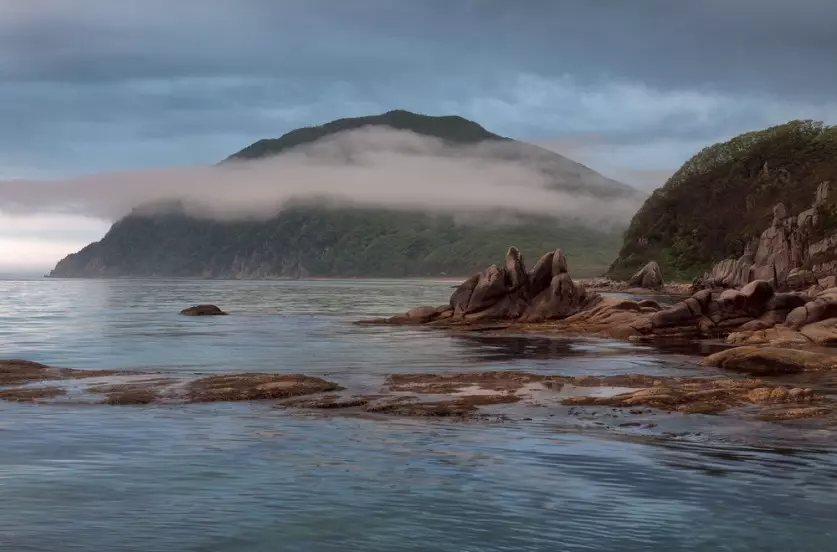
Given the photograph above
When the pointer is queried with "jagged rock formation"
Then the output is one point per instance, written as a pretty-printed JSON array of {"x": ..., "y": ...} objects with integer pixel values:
[
  {"x": 547, "y": 295},
  {"x": 510, "y": 292},
  {"x": 793, "y": 253},
  {"x": 649, "y": 277}
]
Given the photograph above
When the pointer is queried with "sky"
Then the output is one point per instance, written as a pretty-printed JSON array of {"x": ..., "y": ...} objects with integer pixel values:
[{"x": 631, "y": 88}]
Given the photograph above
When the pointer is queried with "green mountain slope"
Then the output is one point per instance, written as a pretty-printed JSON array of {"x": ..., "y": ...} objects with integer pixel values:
[
  {"x": 308, "y": 241},
  {"x": 723, "y": 198}
]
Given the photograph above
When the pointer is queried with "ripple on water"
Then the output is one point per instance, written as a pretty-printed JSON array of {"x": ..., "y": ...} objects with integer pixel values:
[{"x": 231, "y": 477}]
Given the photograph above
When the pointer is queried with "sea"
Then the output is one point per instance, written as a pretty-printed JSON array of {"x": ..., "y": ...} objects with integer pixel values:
[{"x": 253, "y": 477}]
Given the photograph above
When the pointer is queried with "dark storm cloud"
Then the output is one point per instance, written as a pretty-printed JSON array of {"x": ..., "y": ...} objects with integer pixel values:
[
  {"x": 772, "y": 45},
  {"x": 97, "y": 84}
]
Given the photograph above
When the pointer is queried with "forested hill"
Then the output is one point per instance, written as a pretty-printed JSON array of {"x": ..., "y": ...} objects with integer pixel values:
[
  {"x": 308, "y": 240},
  {"x": 723, "y": 198}
]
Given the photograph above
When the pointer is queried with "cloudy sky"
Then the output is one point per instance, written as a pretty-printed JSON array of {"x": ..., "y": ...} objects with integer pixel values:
[{"x": 629, "y": 87}]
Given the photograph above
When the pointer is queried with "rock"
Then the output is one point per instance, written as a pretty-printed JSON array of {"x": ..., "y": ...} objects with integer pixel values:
[
  {"x": 516, "y": 277},
  {"x": 823, "y": 333},
  {"x": 786, "y": 253},
  {"x": 31, "y": 394},
  {"x": 541, "y": 275},
  {"x": 19, "y": 372},
  {"x": 203, "y": 310},
  {"x": 776, "y": 336},
  {"x": 811, "y": 312},
  {"x": 729, "y": 273},
  {"x": 799, "y": 279},
  {"x": 649, "y": 277},
  {"x": 489, "y": 289},
  {"x": 770, "y": 361},
  {"x": 248, "y": 387},
  {"x": 559, "y": 263},
  {"x": 757, "y": 293},
  {"x": 462, "y": 296},
  {"x": 560, "y": 300},
  {"x": 827, "y": 282},
  {"x": 422, "y": 315}
]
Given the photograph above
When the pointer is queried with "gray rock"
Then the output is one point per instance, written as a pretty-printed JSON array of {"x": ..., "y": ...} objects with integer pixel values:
[{"x": 649, "y": 277}]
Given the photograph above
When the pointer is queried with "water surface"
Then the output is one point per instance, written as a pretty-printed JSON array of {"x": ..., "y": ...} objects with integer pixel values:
[{"x": 249, "y": 477}]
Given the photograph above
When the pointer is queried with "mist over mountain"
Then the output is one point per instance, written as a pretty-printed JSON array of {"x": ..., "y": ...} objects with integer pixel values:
[{"x": 396, "y": 194}]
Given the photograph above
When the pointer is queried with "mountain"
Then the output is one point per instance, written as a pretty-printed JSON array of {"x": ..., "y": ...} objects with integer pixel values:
[
  {"x": 720, "y": 202},
  {"x": 305, "y": 239}
]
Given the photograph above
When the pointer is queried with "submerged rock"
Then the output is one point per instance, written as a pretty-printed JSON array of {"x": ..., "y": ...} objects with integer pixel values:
[
  {"x": 203, "y": 310},
  {"x": 249, "y": 387},
  {"x": 31, "y": 394},
  {"x": 18, "y": 372}
]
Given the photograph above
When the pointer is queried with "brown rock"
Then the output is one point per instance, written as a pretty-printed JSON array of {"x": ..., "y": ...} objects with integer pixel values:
[
  {"x": 30, "y": 394},
  {"x": 17, "y": 372},
  {"x": 462, "y": 296},
  {"x": 559, "y": 263},
  {"x": 203, "y": 310},
  {"x": 770, "y": 361},
  {"x": 649, "y": 277},
  {"x": 541, "y": 275},
  {"x": 490, "y": 288},
  {"x": 249, "y": 387},
  {"x": 516, "y": 277}
]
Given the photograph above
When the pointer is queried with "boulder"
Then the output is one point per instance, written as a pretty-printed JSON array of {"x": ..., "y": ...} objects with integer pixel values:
[
  {"x": 203, "y": 310},
  {"x": 811, "y": 312},
  {"x": 649, "y": 277},
  {"x": 560, "y": 300}
]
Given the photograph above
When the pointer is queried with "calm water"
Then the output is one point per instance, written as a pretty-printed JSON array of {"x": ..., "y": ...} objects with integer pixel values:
[{"x": 230, "y": 477}]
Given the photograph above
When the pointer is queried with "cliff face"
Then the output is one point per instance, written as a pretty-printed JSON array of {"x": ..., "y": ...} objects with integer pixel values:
[
  {"x": 722, "y": 200},
  {"x": 306, "y": 240},
  {"x": 795, "y": 251}
]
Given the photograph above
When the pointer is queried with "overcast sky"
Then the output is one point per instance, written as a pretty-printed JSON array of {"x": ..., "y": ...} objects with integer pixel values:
[{"x": 629, "y": 87}]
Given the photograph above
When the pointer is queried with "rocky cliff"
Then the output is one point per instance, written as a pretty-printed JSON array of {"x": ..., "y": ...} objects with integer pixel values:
[
  {"x": 794, "y": 252},
  {"x": 719, "y": 203}
]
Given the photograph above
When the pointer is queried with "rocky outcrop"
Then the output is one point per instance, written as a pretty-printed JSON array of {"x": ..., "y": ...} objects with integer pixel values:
[
  {"x": 648, "y": 277},
  {"x": 793, "y": 252},
  {"x": 510, "y": 292},
  {"x": 546, "y": 298},
  {"x": 203, "y": 310}
]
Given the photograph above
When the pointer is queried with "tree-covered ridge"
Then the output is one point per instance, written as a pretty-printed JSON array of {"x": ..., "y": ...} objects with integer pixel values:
[
  {"x": 450, "y": 128},
  {"x": 723, "y": 197},
  {"x": 308, "y": 241}
]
